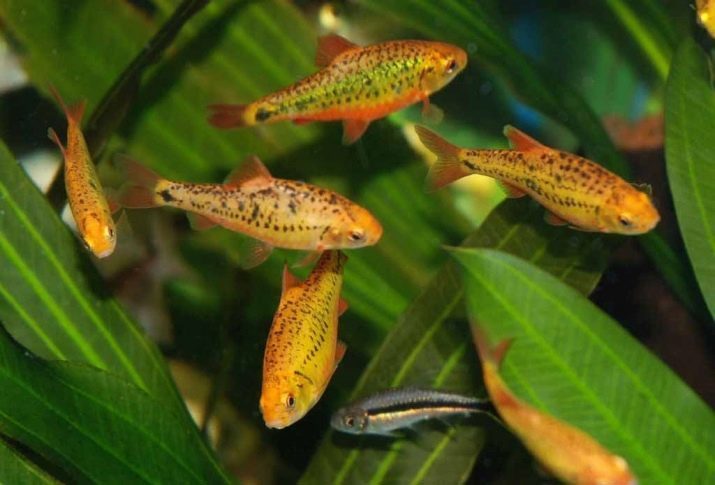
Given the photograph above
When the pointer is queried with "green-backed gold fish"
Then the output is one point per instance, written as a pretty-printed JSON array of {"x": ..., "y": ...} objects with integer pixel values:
[
  {"x": 574, "y": 190},
  {"x": 387, "y": 411},
  {"x": 356, "y": 85},
  {"x": 303, "y": 350},
  {"x": 274, "y": 212},
  {"x": 85, "y": 195}
]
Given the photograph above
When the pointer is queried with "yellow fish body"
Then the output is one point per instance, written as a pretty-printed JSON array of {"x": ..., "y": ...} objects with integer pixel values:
[
  {"x": 565, "y": 451},
  {"x": 356, "y": 85},
  {"x": 574, "y": 190},
  {"x": 302, "y": 350},
  {"x": 275, "y": 212},
  {"x": 86, "y": 198},
  {"x": 706, "y": 15}
]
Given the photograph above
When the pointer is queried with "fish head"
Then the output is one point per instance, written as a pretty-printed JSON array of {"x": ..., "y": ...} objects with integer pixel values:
[
  {"x": 350, "y": 420},
  {"x": 629, "y": 211},
  {"x": 283, "y": 401},
  {"x": 445, "y": 62},
  {"x": 359, "y": 229},
  {"x": 98, "y": 237}
]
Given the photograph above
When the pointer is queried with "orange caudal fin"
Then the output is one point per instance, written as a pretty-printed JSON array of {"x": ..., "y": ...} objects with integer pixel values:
[
  {"x": 329, "y": 47},
  {"x": 73, "y": 113},
  {"x": 447, "y": 168},
  {"x": 52, "y": 135},
  {"x": 227, "y": 116},
  {"x": 138, "y": 191},
  {"x": 353, "y": 130},
  {"x": 486, "y": 353},
  {"x": 521, "y": 141}
]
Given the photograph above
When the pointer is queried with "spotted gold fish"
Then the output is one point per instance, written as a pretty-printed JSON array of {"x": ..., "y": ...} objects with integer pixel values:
[
  {"x": 275, "y": 212},
  {"x": 303, "y": 350},
  {"x": 87, "y": 201},
  {"x": 356, "y": 85},
  {"x": 705, "y": 13},
  {"x": 573, "y": 189},
  {"x": 568, "y": 453}
]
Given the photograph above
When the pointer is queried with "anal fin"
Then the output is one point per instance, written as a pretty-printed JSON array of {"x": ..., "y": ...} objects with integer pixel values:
[
  {"x": 353, "y": 130},
  {"x": 199, "y": 222},
  {"x": 511, "y": 191},
  {"x": 554, "y": 220}
]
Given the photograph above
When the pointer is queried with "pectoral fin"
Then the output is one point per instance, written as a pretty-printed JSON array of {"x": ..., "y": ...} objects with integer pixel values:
[
  {"x": 340, "y": 349},
  {"x": 199, "y": 222},
  {"x": 253, "y": 253}
]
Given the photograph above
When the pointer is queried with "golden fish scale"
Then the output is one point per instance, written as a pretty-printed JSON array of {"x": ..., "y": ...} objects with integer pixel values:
[
  {"x": 286, "y": 214},
  {"x": 81, "y": 182},
  {"x": 303, "y": 337},
  {"x": 362, "y": 79},
  {"x": 560, "y": 181}
]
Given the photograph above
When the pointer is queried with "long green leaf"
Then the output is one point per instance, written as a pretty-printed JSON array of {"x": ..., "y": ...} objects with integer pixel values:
[
  {"x": 52, "y": 301},
  {"x": 690, "y": 151},
  {"x": 427, "y": 348},
  {"x": 15, "y": 468},
  {"x": 96, "y": 426},
  {"x": 571, "y": 360}
]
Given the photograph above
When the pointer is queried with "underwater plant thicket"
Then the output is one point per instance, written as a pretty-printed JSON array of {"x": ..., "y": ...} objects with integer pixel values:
[{"x": 97, "y": 358}]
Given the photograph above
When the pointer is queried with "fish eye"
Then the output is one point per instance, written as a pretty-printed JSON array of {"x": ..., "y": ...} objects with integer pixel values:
[
  {"x": 349, "y": 421},
  {"x": 625, "y": 221},
  {"x": 451, "y": 66},
  {"x": 356, "y": 235},
  {"x": 110, "y": 232},
  {"x": 290, "y": 401}
]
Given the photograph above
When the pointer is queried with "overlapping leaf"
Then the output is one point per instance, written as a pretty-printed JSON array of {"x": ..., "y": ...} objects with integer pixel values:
[
  {"x": 690, "y": 115},
  {"x": 94, "y": 425},
  {"x": 571, "y": 360},
  {"x": 51, "y": 300},
  {"x": 18, "y": 469},
  {"x": 427, "y": 348}
]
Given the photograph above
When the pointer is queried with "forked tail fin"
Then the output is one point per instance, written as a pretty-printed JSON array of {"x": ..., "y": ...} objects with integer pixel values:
[
  {"x": 488, "y": 354},
  {"x": 75, "y": 112},
  {"x": 227, "y": 116},
  {"x": 448, "y": 167},
  {"x": 139, "y": 190}
]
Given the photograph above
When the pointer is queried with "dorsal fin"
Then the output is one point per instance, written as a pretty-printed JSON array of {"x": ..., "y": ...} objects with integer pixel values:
[
  {"x": 329, "y": 47},
  {"x": 289, "y": 280},
  {"x": 251, "y": 171},
  {"x": 521, "y": 141}
]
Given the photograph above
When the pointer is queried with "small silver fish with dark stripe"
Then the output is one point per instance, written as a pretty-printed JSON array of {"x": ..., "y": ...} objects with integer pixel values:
[{"x": 393, "y": 409}]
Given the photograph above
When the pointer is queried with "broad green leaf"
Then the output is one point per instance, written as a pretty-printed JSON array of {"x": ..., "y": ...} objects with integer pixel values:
[
  {"x": 428, "y": 348},
  {"x": 52, "y": 300},
  {"x": 15, "y": 468},
  {"x": 571, "y": 360},
  {"x": 690, "y": 152},
  {"x": 96, "y": 426}
]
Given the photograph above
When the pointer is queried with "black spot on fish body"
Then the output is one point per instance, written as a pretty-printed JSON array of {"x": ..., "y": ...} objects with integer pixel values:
[
  {"x": 469, "y": 165},
  {"x": 166, "y": 196}
]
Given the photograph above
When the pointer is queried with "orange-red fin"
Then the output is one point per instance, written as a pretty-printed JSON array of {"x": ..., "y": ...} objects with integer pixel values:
[
  {"x": 431, "y": 113},
  {"x": 254, "y": 252},
  {"x": 353, "y": 130},
  {"x": 511, "y": 191},
  {"x": 112, "y": 200},
  {"x": 227, "y": 116},
  {"x": 251, "y": 172},
  {"x": 342, "y": 306},
  {"x": 340, "y": 350},
  {"x": 138, "y": 192},
  {"x": 521, "y": 141},
  {"x": 52, "y": 135},
  {"x": 199, "y": 222},
  {"x": 486, "y": 353},
  {"x": 301, "y": 121},
  {"x": 310, "y": 258},
  {"x": 329, "y": 47},
  {"x": 448, "y": 167},
  {"x": 73, "y": 113},
  {"x": 553, "y": 219},
  {"x": 289, "y": 280}
]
